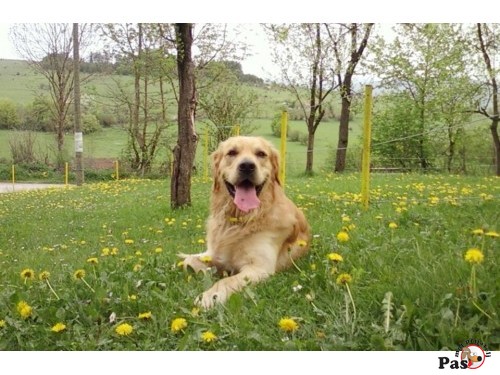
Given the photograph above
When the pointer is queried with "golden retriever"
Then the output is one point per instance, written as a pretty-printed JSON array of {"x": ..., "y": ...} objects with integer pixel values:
[{"x": 253, "y": 229}]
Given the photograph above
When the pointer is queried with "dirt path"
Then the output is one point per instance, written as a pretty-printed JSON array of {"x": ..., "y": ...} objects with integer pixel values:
[{"x": 6, "y": 187}]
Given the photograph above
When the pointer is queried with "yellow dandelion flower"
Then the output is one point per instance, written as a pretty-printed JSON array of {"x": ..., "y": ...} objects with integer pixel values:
[
  {"x": 27, "y": 274},
  {"x": 201, "y": 241},
  {"x": 393, "y": 225},
  {"x": 114, "y": 251},
  {"x": 124, "y": 329},
  {"x": 105, "y": 251},
  {"x": 158, "y": 250},
  {"x": 288, "y": 324},
  {"x": 208, "y": 336},
  {"x": 178, "y": 324},
  {"x": 92, "y": 260},
  {"x": 44, "y": 275},
  {"x": 132, "y": 297},
  {"x": 335, "y": 257},
  {"x": 302, "y": 243},
  {"x": 138, "y": 253},
  {"x": 58, "y": 327},
  {"x": 145, "y": 315},
  {"x": 492, "y": 234},
  {"x": 206, "y": 258},
  {"x": 345, "y": 219},
  {"x": 2, "y": 323},
  {"x": 478, "y": 232},
  {"x": 342, "y": 236},
  {"x": 137, "y": 268},
  {"x": 129, "y": 241},
  {"x": 344, "y": 278},
  {"x": 79, "y": 274},
  {"x": 195, "y": 311},
  {"x": 474, "y": 256},
  {"x": 24, "y": 309}
]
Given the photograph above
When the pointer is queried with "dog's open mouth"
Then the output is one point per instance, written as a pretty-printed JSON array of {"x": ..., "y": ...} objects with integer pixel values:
[{"x": 245, "y": 194}]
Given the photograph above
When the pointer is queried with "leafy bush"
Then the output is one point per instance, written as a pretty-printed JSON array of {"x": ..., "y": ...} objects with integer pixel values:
[
  {"x": 8, "y": 115},
  {"x": 90, "y": 124}
]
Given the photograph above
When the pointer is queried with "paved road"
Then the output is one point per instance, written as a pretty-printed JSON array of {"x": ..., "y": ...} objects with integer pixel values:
[{"x": 6, "y": 187}]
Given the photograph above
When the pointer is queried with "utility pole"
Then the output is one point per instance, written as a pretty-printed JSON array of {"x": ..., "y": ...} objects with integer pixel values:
[{"x": 78, "y": 114}]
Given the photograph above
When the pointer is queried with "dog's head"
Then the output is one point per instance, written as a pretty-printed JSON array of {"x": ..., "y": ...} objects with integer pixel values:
[
  {"x": 466, "y": 353},
  {"x": 244, "y": 166}
]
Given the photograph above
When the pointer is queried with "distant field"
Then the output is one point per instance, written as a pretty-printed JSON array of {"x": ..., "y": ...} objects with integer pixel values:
[{"x": 19, "y": 84}]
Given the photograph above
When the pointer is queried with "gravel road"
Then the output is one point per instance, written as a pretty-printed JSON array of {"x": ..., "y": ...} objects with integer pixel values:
[{"x": 8, "y": 187}]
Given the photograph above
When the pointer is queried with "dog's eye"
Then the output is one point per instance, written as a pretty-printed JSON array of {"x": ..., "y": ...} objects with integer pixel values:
[
  {"x": 261, "y": 154},
  {"x": 232, "y": 153}
]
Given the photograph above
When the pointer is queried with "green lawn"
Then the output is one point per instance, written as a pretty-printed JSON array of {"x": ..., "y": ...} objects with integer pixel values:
[{"x": 411, "y": 289}]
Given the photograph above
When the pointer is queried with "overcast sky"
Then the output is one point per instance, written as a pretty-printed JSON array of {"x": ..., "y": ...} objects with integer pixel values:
[{"x": 250, "y": 13}]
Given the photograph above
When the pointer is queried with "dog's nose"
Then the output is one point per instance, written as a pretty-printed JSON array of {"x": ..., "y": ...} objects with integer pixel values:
[{"x": 246, "y": 167}]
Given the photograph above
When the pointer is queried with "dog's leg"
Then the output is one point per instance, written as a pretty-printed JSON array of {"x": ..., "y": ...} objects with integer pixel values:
[
  {"x": 223, "y": 288},
  {"x": 197, "y": 262}
]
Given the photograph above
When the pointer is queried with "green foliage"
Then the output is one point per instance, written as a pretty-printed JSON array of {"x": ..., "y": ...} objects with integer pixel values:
[
  {"x": 225, "y": 104},
  {"x": 90, "y": 123},
  {"x": 8, "y": 115}
]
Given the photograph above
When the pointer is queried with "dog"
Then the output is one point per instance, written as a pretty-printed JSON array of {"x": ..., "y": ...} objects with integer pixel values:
[
  {"x": 466, "y": 353},
  {"x": 253, "y": 229}
]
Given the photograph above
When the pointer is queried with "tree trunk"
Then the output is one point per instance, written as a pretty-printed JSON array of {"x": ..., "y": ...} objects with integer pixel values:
[
  {"x": 78, "y": 112},
  {"x": 185, "y": 150},
  {"x": 494, "y": 87},
  {"x": 496, "y": 143},
  {"x": 345, "y": 112},
  {"x": 310, "y": 152}
]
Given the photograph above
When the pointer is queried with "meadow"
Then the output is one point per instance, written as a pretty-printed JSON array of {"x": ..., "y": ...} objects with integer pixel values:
[{"x": 95, "y": 268}]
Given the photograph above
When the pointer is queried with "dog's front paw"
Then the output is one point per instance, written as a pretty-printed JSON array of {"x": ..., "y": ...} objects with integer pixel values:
[{"x": 211, "y": 297}]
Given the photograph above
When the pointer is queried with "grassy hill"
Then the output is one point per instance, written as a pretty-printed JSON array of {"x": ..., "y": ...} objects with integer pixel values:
[{"x": 20, "y": 84}]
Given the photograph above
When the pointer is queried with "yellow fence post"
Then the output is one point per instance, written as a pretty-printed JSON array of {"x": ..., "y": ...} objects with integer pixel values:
[
  {"x": 117, "y": 170},
  {"x": 66, "y": 174},
  {"x": 13, "y": 176},
  {"x": 236, "y": 130},
  {"x": 205, "y": 156},
  {"x": 365, "y": 163},
  {"x": 284, "y": 127}
]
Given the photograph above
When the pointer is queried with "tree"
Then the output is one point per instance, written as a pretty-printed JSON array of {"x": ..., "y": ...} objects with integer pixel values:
[
  {"x": 487, "y": 36},
  {"x": 47, "y": 47},
  {"x": 302, "y": 54},
  {"x": 185, "y": 149},
  {"x": 143, "y": 50},
  {"x": 78, "y": 112},
  {"x": 425, "y": 63},
  {"x": 347, "y": 56},
  {"x": 224, "y": 104}
]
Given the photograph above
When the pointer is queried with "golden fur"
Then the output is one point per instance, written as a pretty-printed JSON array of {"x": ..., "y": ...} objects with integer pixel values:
[{"x": 248, "y": 246}]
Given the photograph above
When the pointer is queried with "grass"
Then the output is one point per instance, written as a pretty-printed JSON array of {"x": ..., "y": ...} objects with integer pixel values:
[{"x": 411, "y": 287}]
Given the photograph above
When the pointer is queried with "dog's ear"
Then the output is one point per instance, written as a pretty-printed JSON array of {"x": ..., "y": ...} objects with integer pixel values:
[
  {"x": 465, "y": 353},
  {"x": 216, "y": 159},
  {"x": 275, "y": 162}
]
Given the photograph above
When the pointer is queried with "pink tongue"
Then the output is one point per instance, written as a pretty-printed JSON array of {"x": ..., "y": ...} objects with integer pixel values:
[{"x": 246, "y": 198}]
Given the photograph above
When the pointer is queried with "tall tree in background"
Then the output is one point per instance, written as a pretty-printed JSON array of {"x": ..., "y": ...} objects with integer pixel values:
[
  {"x": 489, "y": 45},
  {"x": 144, "y": 50},
  {"x": 185, "y": 149},
  {"x": 47, "y": 47},
  {"x": 78, "y": 111},
  {"x": 302, "y": 53},
  {"x": 349, "y": 42}
]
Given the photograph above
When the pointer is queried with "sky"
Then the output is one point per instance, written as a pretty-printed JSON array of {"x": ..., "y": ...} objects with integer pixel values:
[{"x": 249, "y": 13}]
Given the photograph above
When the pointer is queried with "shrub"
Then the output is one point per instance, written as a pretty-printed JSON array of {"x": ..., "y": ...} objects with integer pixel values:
[{"x": 8, "y": 115}]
